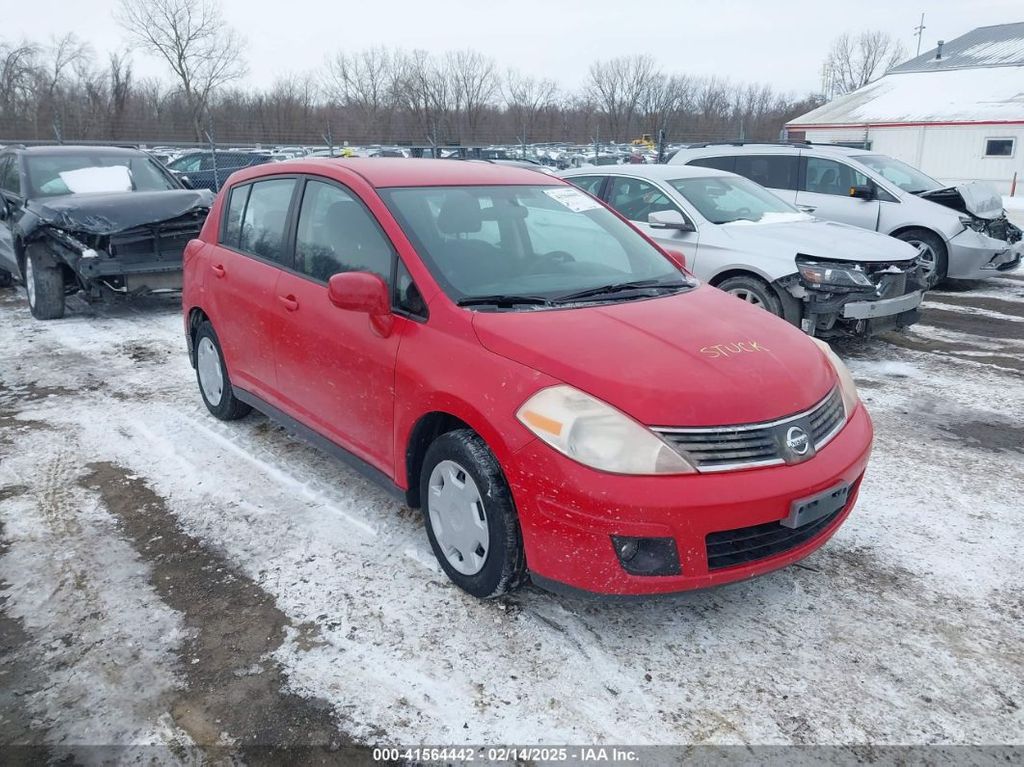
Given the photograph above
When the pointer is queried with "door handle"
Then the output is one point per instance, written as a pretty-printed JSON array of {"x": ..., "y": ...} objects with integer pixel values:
[
  {"x": 289, "y": 301},
  {"x": 218, "y": 270}
]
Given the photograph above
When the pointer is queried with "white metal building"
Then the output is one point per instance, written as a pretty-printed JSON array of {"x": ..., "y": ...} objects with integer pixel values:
[{"x": 956, "y": 112}]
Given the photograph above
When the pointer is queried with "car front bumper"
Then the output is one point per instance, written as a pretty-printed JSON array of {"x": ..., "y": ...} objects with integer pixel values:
[
  {"x": 569, "y": 514},
  {"x": 976, "y": 256}
]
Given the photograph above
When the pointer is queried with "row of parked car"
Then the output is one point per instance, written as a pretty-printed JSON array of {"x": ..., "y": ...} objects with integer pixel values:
[{"x": 530, "y": 361}]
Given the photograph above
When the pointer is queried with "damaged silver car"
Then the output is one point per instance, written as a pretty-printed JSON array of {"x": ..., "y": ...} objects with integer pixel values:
[
  {"x": 101, "y": 220},
  {"x": 827, "y": 278},
  {"x": 961, "y": 231}
]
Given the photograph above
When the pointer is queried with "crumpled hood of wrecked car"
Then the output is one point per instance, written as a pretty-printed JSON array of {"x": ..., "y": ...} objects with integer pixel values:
[{"x": 107, "y": 213}]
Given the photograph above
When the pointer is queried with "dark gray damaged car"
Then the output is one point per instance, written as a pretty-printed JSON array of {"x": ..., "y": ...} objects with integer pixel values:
[{"x": 93, "y": 219}]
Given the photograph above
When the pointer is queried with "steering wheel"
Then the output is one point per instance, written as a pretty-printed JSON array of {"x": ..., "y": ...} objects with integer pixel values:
[
  {"x": 560, "y": 256},
  {"x": 744, "y": 212}
]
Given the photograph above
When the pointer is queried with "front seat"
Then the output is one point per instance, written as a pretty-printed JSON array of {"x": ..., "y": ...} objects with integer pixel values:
[{"x": 468, "y": 263}]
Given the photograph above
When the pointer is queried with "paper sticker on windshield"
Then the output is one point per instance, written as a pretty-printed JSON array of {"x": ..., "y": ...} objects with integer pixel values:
[{"x": 571, "y": 198}]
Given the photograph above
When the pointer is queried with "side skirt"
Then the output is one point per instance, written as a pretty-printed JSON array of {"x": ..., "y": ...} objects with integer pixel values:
[{"x": 321, "y": 442}]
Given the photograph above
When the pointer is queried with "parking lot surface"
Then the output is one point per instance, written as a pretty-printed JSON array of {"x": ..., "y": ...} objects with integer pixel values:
[{"x": 166, "y": 578}]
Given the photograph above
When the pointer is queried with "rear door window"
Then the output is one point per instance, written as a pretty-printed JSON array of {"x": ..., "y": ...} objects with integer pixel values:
[
  {"x": 771, "y": 171},
  {"x": 636, "y": 199},
  {"x": 9, "y": 181},
  {"x": 265, "y": 218},
  {"x": 721, "y": 163},
  {"x": 589, "y": 184}
]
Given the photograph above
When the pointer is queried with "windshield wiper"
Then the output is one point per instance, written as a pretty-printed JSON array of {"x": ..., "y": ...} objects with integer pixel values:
[
  {"x": 619, "y": 287},
  {"x": 502, "y": 299}
]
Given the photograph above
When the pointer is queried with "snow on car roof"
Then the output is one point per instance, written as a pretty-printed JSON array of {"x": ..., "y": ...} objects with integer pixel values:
[{"x": 984, "y": 94}]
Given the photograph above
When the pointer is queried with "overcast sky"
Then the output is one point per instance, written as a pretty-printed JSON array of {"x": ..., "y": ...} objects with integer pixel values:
[{"x": 780, "y": 43}]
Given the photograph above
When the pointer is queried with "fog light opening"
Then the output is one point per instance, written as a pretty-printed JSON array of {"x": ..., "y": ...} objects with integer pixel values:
[{"x": 646, "y": 556}]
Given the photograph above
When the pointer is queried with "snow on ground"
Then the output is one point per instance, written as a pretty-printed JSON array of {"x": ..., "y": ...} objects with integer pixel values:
[{"x": 905, "y": 628}]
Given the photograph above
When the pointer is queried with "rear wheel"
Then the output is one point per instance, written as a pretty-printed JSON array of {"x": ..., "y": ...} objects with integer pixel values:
[
  {"x": 470, "y": 518},
  {"x": 933, "y": 257},
  {"x": 212, "y": 375},
  {"x": 754, "y": 291},
  {"x": 44, "y": 284}
]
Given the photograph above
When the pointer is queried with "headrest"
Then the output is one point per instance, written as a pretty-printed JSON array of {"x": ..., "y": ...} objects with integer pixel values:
[{"x": 460, "y": 213}]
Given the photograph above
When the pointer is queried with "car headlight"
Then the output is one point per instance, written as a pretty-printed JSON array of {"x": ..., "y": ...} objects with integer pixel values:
[
  {"x": 971, "y": 222},
  {"x": 834, "y": 276},
  {"x": 597, "y": 435},
  {"x": 846, "y": 385}
]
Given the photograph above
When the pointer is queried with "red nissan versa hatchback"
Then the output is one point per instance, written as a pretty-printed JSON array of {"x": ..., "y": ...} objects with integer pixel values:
[{"x": 509, "y": 355}]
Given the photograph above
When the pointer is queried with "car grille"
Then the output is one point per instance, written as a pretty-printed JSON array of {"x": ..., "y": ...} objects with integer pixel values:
[
  {"x": 729, "y": 548},
  {"x": 163, "y": 242},
  {"x": 727, "y": 448}
]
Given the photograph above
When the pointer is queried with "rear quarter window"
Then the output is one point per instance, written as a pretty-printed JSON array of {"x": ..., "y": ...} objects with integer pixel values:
[
  {"x": 232, "y": 228},
  {"x": 719, "y": 163}
]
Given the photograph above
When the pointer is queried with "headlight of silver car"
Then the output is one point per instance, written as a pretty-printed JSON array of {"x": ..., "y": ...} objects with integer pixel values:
[
  {"x": 597, "y": 435},
  {"x": 846, "y": 385},
  {"x": 830, "y": 275}
]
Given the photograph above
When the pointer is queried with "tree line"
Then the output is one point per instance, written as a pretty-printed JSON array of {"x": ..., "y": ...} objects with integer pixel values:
[{"x": 62, "y": 89}]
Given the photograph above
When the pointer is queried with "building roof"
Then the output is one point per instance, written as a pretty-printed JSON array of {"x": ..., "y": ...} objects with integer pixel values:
[
  {"x": 979, "y": 79},
  {"x": 999, "y": 45}
]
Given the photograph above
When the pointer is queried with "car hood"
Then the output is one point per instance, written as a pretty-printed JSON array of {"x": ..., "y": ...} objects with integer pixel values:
[
  {"x": 826, "y": 240},
  {"x": 975, "y": 197},
  {"x": 108, "y": 213},
  {"x": 699, "y": 358}
]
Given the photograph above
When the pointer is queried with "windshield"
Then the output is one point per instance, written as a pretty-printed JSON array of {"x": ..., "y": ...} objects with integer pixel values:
[
  {"x": 724, "y": 199},
  {"x": 52, "y": 175},
  {"x": 538, "y": 243},
  {"x": 904, "y": 176}
]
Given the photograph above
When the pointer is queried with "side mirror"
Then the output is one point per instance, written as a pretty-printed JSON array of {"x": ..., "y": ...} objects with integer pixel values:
[
  {"x": 863, "y": 192},
  {"x": 366, "y": 293},
  {"x": 676, "y": 257},
  {"x": 669, "y": 219},
  {"x": 185, "y": 181},
  {"x": 5, "y": 208}
]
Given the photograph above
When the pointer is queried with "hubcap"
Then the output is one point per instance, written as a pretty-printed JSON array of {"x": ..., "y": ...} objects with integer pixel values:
[
  {"x": 457, "y": 517},
  {"x": 925, "y": 257},
  {"x": 747, "y": 295},
  {"x": 211, "y": 377},
  {"x": 30, "y": 282}
]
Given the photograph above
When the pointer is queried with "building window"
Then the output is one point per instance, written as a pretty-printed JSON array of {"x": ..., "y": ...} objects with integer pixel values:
[{"x": 999, "y": 147}]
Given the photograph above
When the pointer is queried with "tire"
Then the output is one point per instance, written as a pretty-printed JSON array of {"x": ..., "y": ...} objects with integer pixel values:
[
  {"x": 754, "y": 291},
  {"x": 463, "y": 458},
  {"x": 934, "y": 251},
  {"x": 44, "y": 284},
  {"x": 212, "y": 377}
]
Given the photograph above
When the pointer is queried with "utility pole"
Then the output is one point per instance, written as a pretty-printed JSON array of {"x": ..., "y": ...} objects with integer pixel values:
[{"x": 919, "y": 31}]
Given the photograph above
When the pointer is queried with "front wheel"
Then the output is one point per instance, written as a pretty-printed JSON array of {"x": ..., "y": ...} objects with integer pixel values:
[
  {"x": 754, "y": 291},
  {"x": 212, "y": 375},
  {"x": 932, "y": 254},
  {"x": 470, "y": 518},
  {"x": 44, "y": 284}
]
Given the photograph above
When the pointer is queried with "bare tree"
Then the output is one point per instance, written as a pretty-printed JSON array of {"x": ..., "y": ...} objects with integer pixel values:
[
  {"x": 854, "y": 61},
  {"x": 191, "y": 36},
  {"x": 18, "y": 65},
  {"x": 474, "y": 84},
  {"x": 525, "y": 98},
  {"x": 617, "y": 86}
]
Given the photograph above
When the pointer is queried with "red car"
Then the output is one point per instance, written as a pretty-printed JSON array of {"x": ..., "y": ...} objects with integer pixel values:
[{"x": 562, "y": 400}]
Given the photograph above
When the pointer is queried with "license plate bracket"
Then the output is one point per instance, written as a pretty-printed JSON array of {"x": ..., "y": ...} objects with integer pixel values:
[{"x": 806, "y": 510}]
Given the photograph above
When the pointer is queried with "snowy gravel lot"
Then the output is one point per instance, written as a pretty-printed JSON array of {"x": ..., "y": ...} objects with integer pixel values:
[{"x": 169, "y": 579}]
